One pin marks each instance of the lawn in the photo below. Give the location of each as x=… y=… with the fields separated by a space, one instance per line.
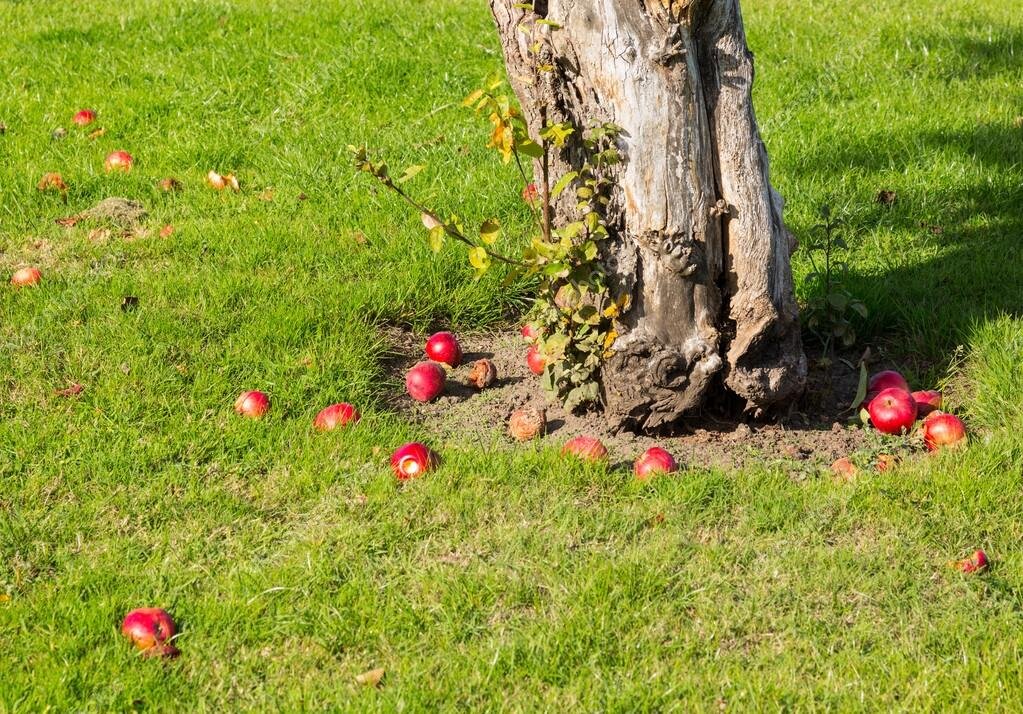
x=503 y=581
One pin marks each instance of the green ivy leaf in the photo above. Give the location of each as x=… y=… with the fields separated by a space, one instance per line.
x=563 y=183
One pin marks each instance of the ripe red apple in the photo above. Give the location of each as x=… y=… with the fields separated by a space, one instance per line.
x=893 y=411
x=252 y=404
x=654 y=460
x=84 y=117
x=151 y=630
x=529 y=332
x=444 y=347
x=425 y=381
x=530 y=194
x=943 y=430
x=527 y=423
x=336 y=415
x=535 y=360
x=975 y=563
x=118 y=161
x=26 y=277
x=412 y=460
x=926 y=402
x=882 y=381
x=586 y=448
x=482 y=374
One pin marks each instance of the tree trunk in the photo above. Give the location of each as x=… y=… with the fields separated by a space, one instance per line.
x=697 y=237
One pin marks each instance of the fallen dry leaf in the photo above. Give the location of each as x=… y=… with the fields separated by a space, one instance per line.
x=99 y=235
x=98 y=133
x=844 y=469
x=886 y=197
x=71 y=391
x=170 y=184
x=360 y=238
x=371 y=677
x=69 y=221
x=52 y=180
x=136 y=233
x=166 y=231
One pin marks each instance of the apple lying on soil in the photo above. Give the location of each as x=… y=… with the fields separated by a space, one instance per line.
x=527 y=423
x=535 y=360
x=927 y=401
x=892 y=411
x=118 y=161
x=84 y=117
x=654 y=460
x=151 y=630
x=425 y=381
x=443 y=347
x=586 y=448
x=975 y=563
x=412 y=460
x=252 y=404
x=882 y=381
x=336 y=415
x=26 y=277
x=529 y=332
x=943 y=430
x=482 y=374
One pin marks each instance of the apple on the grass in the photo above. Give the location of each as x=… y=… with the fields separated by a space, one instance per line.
x=253 y=404
x=585 y=448
x=118 y=161
x=84 y=117
x=425 y=381
x=534 y=360
x=654 y=460
x=975 y=563
x=335 y=416
x=443 y=347
x=892 y=411
x=151 y=629
x=943 y=430
x=927 y=401
x=26 y=277
x=412 y=460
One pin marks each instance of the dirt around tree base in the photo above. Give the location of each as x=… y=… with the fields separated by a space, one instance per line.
x=814 y=433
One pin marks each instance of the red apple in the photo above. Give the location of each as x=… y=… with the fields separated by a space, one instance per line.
x=26 y=277
x=252 y=404
x=535 y=360
x=943 y=430
x=425 y=381
x=530 y=193
x=444 y=347
x=84 y=117
x=527 y=423
x=926 y=402
x=975 y=563
x=654 y=460
x=336 y=415
x=586 y=448
x=151 y=630
x=118 y=161
x=529 y=332
x=482 y=374
x=882 y=381
x=412 y=460
x=893 y=411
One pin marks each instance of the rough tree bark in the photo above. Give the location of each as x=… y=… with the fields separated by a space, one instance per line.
x=697 y=234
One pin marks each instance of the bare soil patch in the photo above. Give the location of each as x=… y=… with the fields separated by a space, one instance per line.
x=808 y=438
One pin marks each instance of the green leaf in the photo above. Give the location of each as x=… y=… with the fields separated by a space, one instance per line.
x=490 y=231
x=838 y=301
x=528 y=147
x=861 y=390
x=859 y=308
x=563 y=183
x=410 y=173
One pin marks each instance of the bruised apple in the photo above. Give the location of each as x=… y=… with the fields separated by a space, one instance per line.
x=150 y=629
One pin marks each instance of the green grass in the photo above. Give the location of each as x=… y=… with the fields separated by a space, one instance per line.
x=503 y=581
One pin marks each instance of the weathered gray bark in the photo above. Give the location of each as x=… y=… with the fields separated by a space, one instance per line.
x=697 y=233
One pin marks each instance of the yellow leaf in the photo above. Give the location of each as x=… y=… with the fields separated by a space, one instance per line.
x=490 y=230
